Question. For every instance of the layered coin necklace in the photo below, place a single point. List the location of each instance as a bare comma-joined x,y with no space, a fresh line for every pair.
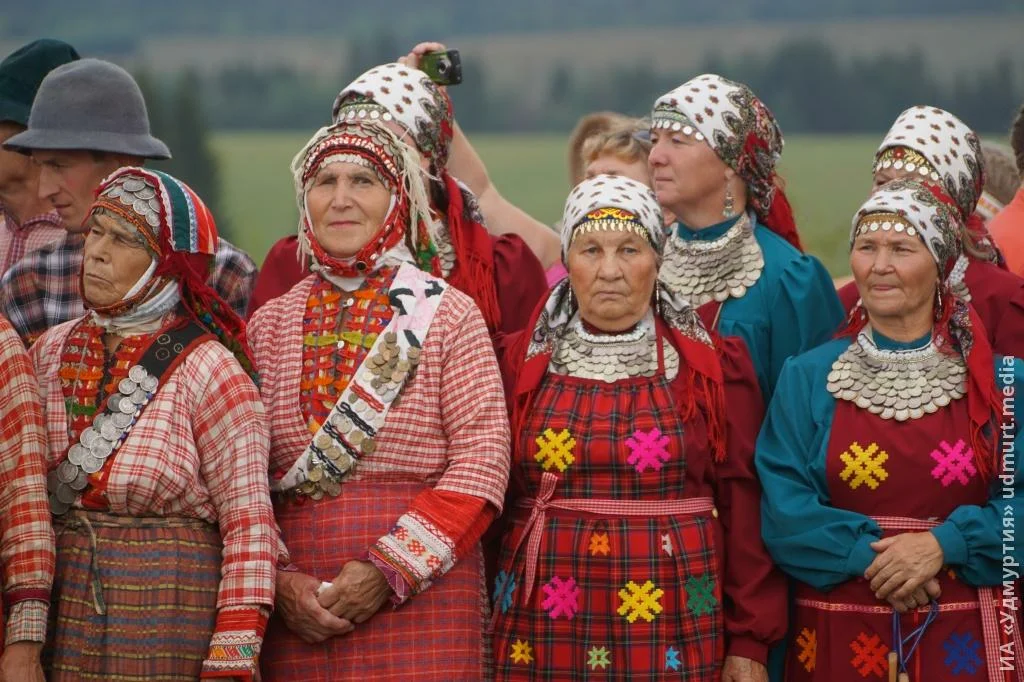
897,384
611,357
716,270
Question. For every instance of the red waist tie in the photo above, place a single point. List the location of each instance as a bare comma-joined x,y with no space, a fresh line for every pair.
538,506
988,598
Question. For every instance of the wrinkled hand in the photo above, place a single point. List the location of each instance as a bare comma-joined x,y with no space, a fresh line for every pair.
904,563
738,669
296,603
921,597
357,593
413,58
20,663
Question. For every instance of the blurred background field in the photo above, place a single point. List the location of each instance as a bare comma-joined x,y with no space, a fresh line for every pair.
236,86
827,177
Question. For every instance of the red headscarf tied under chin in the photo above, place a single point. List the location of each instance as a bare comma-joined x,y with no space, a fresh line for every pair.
395,92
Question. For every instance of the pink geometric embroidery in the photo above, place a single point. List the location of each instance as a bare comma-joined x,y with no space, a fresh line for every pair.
955,463
401,533
416,547
563,598
434,562
647,450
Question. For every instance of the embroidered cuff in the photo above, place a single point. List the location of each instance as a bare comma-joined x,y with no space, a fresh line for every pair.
235,645
27,622
417,549
402,590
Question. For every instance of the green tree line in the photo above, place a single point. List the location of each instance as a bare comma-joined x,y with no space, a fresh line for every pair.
107,23
803,82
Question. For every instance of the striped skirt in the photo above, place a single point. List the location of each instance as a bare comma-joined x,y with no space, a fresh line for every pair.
133,598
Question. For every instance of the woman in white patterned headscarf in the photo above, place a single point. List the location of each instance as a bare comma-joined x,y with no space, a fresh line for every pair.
627,469
735,250
934,145
879,459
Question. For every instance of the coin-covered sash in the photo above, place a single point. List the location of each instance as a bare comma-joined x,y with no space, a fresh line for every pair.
79,472
350,430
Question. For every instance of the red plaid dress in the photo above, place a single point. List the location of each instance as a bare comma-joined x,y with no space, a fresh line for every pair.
631,597
26,536
190,479
442,454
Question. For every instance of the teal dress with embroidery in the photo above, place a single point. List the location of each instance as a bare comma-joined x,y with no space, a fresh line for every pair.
792,307
830,470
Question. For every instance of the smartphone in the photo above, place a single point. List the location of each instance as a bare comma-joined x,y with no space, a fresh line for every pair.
444,68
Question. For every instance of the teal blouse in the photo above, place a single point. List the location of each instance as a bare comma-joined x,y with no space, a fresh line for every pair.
824,546
792,307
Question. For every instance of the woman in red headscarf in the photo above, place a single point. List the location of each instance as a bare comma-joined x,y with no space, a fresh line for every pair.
157,453
500,273
389,435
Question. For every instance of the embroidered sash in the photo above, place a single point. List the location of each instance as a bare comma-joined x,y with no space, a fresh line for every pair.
350,430
120,412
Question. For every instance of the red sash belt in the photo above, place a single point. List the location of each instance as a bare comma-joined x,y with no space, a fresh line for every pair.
539,506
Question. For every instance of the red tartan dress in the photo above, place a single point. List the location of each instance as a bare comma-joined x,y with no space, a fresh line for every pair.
615,596
845,635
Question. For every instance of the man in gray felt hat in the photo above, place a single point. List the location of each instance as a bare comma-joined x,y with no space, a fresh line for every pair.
88,119
27,220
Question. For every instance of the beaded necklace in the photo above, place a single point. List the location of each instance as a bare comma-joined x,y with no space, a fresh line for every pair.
338,330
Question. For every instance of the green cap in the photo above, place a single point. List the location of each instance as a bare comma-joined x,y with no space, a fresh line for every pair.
23,71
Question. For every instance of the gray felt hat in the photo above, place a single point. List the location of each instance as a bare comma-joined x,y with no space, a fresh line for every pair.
91,105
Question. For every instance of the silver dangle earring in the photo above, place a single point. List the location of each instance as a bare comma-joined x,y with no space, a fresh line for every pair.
729,210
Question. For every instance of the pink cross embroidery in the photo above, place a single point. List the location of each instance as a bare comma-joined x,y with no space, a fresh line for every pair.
647,450
955,463
563,598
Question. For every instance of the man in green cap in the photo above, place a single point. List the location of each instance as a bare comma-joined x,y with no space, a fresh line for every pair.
27,221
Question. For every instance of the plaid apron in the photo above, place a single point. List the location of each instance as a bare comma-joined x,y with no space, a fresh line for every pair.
607,572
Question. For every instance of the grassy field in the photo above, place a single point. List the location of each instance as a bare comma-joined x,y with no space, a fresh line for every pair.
827,179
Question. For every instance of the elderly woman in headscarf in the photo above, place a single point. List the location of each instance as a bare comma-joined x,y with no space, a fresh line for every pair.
886,491
935,146
389,435
500,273
157,453
633,549
735,248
